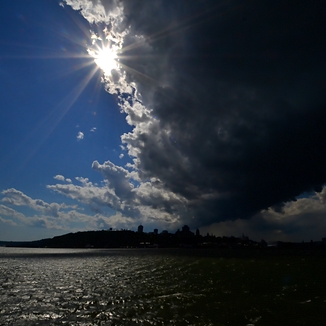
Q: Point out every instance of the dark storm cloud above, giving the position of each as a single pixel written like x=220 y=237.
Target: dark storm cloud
x=244 y=103
x=236 y=93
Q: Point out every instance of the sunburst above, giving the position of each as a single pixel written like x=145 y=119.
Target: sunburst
x=105 y=54
x=105 y=58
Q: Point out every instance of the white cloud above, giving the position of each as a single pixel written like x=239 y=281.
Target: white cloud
x=117 y=178
x=93 y=129
x=121 y=155
x=67 y=218
x=17 y=198
x=80 y=135
x=93 y=196
x=96 y=11
x=59 y=177
x=62 y=178
x=149 y=201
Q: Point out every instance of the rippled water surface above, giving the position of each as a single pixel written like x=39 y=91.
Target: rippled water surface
x=158 y=287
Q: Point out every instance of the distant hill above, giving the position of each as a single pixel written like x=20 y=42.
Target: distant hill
x=30 y=244
x=131 y=239
x=108 y=239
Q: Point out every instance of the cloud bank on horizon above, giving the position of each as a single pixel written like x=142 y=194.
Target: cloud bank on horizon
x=227 y=100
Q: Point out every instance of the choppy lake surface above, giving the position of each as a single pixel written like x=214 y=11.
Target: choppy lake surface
x=158 y=287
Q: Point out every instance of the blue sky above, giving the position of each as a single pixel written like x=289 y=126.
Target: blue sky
x=210 y=114
x=45 y=102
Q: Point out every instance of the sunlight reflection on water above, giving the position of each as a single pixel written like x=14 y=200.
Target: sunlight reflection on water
x=139 y=287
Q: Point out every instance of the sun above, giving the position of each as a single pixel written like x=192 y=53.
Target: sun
x=106 y=58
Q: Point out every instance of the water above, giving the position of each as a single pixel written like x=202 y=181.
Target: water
x=158 y=287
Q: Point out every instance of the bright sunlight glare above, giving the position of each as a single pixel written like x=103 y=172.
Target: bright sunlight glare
x=105 y=58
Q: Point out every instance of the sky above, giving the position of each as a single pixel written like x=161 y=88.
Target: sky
x=115 y=113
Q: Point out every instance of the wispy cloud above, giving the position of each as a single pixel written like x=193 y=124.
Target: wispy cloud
x=149 y=201
x=8 y=221
x=57 y=216
x=298 y=220
x=17 y=198
x=7 y=211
